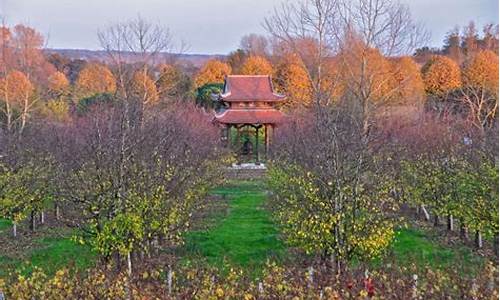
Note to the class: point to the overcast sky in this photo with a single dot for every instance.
(208, 26)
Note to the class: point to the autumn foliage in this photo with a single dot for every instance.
(16, 88)
(482, 71)
(367, 67)
(213, 71)
(96, 79)
(144, 88)
(441, 75)
(293, 80)
(16, 91)
(408, 80)
(256, 65)
(58, 83)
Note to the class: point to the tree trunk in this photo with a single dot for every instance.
(464, 232)
(436, 221)
(57, 212)
(14, 229)
(169, 280)
(479, 240)
(426, 214)
(129, 264)
(33, 221)
(451, 225)
(42, 217)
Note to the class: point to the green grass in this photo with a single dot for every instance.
(412, 246)
(57, 253)
(4, 224)
(50, 254)
(245, 237)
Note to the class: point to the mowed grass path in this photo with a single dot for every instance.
(245, 236)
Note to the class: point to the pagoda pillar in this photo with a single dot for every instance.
(257, 145)
(228, 135)
(266, 140)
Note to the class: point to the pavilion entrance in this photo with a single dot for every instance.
(249, 115)
(250, 142)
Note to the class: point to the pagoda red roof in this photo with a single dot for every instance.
(249, 88)
(250, 116)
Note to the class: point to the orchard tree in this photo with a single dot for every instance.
(213, 71)
(137, 179)
(95, 79)
(13, 195)
(338, 207)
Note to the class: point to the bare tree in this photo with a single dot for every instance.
(255, 44)
(132, 46)
(309, 21)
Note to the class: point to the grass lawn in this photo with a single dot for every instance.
(4, 224)
(413, 246)
(245, 236)
(50, 253)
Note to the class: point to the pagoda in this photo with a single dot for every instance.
(249, 101)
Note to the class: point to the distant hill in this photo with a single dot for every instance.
(196, 60)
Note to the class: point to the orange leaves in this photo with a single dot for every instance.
(365, 71)
(16, 88)
(256, 65)
(441, 75)
(293, 80)
(408, 80)
(212, 72)
(144, 88)
(482, 71)
(58, 83)
(96, 79)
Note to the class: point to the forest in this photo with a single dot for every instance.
(381, 184)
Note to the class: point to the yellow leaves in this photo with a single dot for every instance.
(144, 88)
(219, 292)
(293, 80)
(309, 217)
(58, 83)
(213, 71)
(361, 67)
(482, 71)
(408, 80)
(95, 79)
(256, 65)
(441, 75)
(16, 88)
